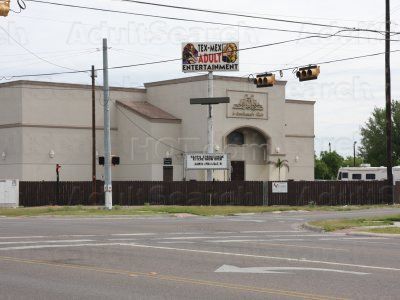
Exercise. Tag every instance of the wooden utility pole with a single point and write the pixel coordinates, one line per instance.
(94, 189)
(388, 105)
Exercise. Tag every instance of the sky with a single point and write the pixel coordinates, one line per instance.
(44, 36)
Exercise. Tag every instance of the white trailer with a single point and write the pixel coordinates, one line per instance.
(366, 173)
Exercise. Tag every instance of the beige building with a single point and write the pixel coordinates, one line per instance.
(43, 124)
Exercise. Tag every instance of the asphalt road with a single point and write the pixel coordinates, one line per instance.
(264, 256)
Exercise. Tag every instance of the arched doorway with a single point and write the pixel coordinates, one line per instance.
(248, 149)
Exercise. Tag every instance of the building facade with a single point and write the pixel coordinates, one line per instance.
(43, 124)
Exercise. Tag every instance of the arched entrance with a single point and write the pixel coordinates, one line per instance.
(248, 148)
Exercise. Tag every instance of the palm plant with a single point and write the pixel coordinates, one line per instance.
(279, 164)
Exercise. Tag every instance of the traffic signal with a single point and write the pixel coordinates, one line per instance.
(115, 160)
(265, 80)
(308, 73)
(4, 8)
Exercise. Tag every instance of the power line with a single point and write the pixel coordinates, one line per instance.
(179, 59)
(156, 62)
(144, 130)
(335, 61)
(207, 22)
(250, 16)
(32, 53)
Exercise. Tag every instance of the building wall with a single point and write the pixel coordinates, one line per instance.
(10, 133)
(58, 117)
(39, 117)
(299, 125)
(144, 145)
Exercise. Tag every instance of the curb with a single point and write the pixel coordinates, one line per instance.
(312, 228)
(371, 234)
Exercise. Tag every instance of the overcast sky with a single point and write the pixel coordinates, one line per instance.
(346, 92)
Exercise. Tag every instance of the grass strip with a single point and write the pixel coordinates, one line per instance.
(152, 210)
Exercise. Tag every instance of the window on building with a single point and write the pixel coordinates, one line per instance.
(356, 176)
(236, 138)
(345, 175)
(370, 177)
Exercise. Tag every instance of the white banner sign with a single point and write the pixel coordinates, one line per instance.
(279, 187)
(202, 161)
(206, 57)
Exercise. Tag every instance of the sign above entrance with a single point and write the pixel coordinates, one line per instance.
(250, 105)
(203, 161)
(210, 57)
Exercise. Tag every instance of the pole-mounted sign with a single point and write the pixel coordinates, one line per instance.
(210, 57)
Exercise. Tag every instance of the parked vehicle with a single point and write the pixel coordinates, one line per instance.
(366, 172)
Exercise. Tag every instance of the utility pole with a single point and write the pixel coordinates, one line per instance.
(388, 106)
(354, 154)
(107, 139)
(94, 189)
(210, 127)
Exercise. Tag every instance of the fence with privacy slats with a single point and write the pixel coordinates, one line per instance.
(250, 193)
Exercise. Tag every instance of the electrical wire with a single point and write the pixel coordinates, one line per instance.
(207, 22)
(251, 16)
(33, 53)
(293, 68)
(166, 60)
(21, 5)
(144, 130)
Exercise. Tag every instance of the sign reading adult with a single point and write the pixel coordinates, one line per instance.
(202, 161)
(210, 57)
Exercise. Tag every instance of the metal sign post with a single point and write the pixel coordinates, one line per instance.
(210, 128)
(107, 138)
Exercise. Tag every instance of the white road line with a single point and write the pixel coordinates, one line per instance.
(352, 238)
(122, 239)
(279, 270)
(206, 237)
(24, 237)
(51, 242)
(177, 242)
(266, 231)
(302, 260)
(132, 234)
(59, 246)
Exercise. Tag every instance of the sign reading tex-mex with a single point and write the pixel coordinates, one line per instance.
(207, 57)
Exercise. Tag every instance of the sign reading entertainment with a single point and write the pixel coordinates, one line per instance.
(200, 161)
(210, 57)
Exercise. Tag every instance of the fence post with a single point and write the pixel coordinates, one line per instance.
(265, 193)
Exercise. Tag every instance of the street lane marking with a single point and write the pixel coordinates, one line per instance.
(270, 231)
(298, 246)
(300, 260)
(132, 234)
(279, 270)
(59, 246)
(38, 242)
(154, 275)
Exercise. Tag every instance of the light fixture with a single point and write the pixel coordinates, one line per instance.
(3, 155)
(167, 154)
(277, 150)
(217, 148)
(52, 154)
(297, 158)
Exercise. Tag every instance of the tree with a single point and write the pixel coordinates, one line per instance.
(279, 164)
(321, 170)
(373, 137)
(333, 162)
(349, 161)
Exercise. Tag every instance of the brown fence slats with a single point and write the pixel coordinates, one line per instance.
(129, 193)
